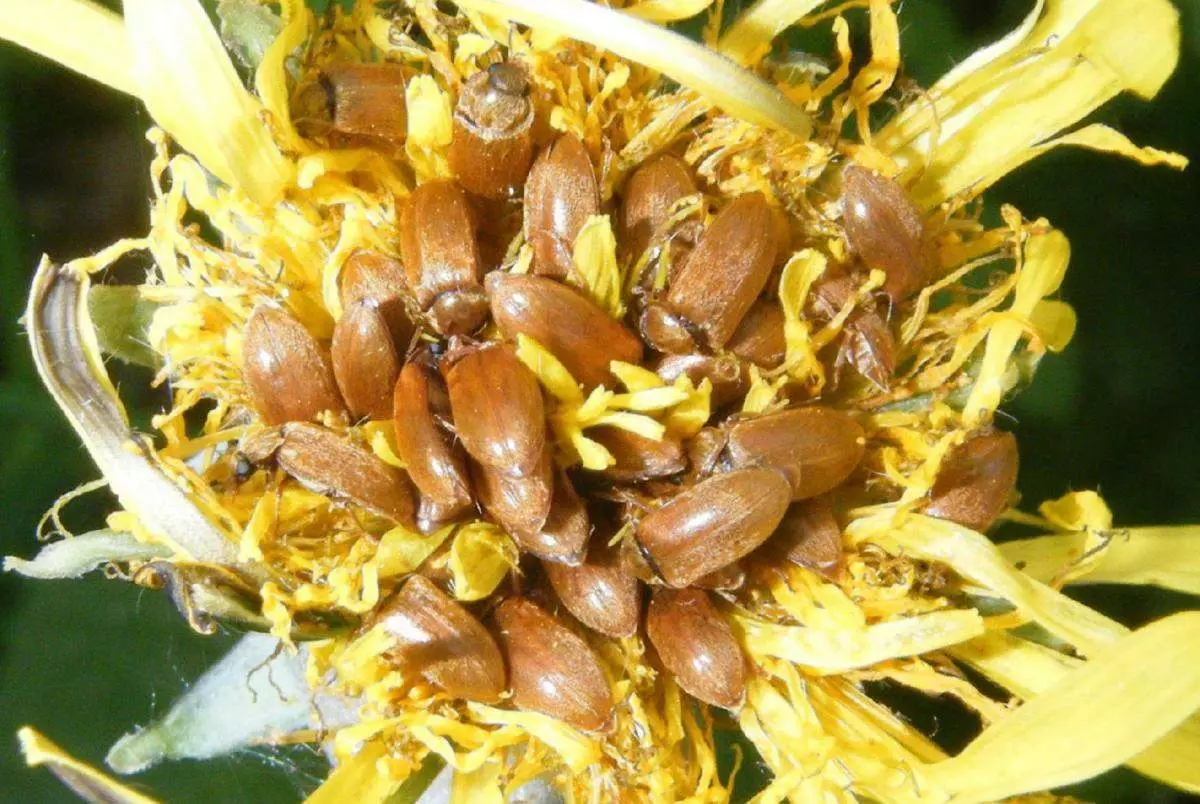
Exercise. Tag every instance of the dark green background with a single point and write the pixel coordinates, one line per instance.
(86, 661)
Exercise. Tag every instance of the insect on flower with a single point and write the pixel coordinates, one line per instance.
(565, 380)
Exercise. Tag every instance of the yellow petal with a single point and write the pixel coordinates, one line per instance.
(1165, 556)
(749, 38)
(402, 550)
(595, 258)
(480, 557)
(993, 114)
(551, 373)
(1043, 265)
(724, 84)
(635, 378)
(1055, 323)
(977, 559)
(85, 781)
(1099, 137)
(78, 34)
(1029, 669)
(667, 10)
(480, 786)
(430, 127)
(1103, 713)
(188, 83)
(357, 778)
(834, 651)
(575, 748)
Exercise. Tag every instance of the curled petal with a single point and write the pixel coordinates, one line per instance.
(67, 357)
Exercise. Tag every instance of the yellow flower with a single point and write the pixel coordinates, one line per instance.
(286, 550)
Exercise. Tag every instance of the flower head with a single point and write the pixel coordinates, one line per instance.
(554, 389)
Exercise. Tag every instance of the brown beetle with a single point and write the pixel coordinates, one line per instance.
(726, 579)
(436, 462)
(697, 646)
(377, 278)
(560, 195)
(714, 523)
(521, 505)
(570, 325)
(600, 594)
(441, 257)
(667, 331)
(367, 100)
(438, 638)
(883, 226)
(759, 339)
(809, 536)
(493, 131)
(564, 537)
(365, 362)
(816, 447)
(329, 464)
(497, 406)
(551, 670)
(647, 200)
(287, 374)
(722, 277)
(729, 382)
(976, 481)
(706, 452)
(637, 457)
(866, 342)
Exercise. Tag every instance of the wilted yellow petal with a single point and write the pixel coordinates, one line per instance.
(402, 550)
(430, 127)
(667, 10)
(1165, 556)
(480, 786)
(358, 779)
(976, 558)
(1043, 265)
(576, 750)
(1095, 717)
(1055, 323)
(797, 278)
(724, 84)
(877, 75)
(750, 36)
(78, 34)
(551, 373)
(994, 114)
(1099, 137)
(189, 85)
(635, 378)
(836, 651)
(481, 555)
(84, 780)
(595, 258)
